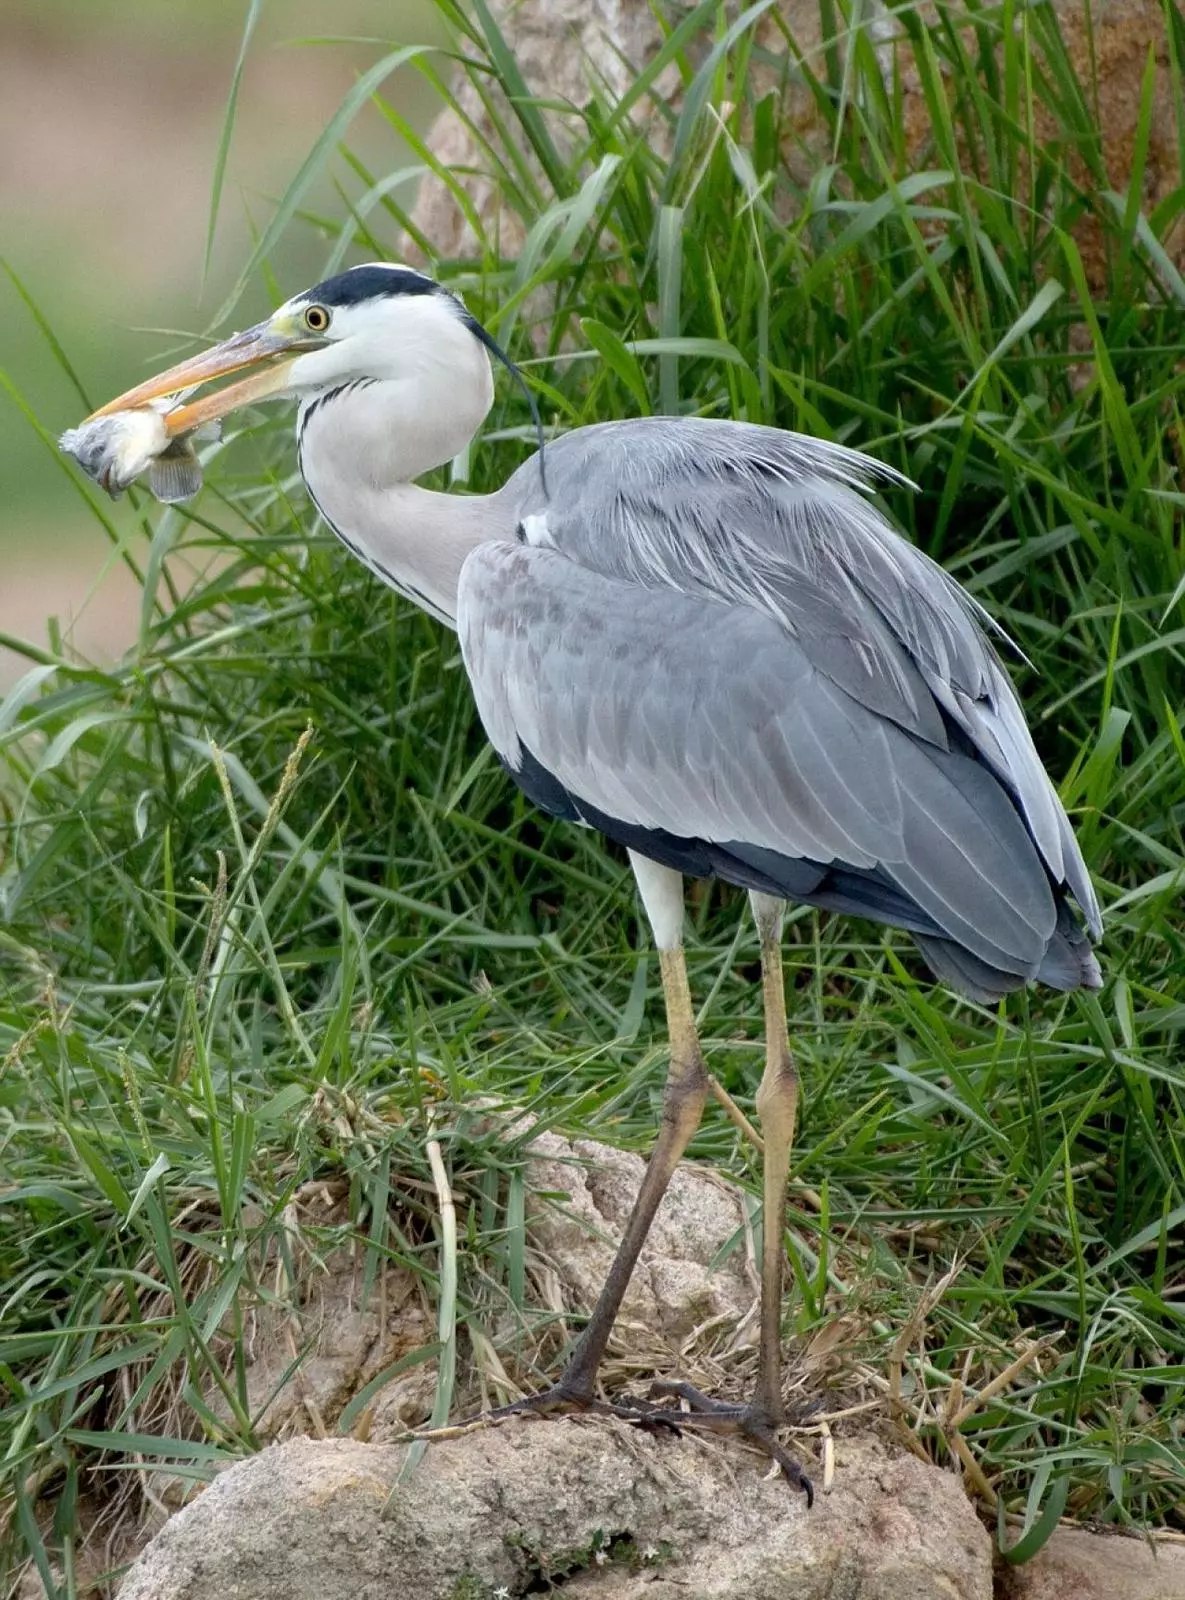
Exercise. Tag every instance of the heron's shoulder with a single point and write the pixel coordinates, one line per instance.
(640, 452)
(716, 506)
(763, 519)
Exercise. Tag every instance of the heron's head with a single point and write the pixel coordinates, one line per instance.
(378, 323)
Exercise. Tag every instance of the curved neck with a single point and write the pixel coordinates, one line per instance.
(416, 540)
(359, 448)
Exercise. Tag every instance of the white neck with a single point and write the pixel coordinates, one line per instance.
(414, 539)
(359, 449)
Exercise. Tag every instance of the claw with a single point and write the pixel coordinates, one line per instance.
(723, 1416)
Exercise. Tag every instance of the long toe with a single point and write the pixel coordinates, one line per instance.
(722, 1416)
(559, 1401)
(700, 1403)
(703, 1412)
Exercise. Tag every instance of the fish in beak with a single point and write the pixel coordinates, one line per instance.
(122, 446)
(150, 429)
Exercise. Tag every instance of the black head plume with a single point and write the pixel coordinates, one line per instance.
(496, 349)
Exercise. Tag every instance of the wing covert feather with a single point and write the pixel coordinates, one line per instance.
(710, 721)
(777, 523)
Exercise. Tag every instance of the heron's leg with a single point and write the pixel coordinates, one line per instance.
(777, 1110)
(683, 1100)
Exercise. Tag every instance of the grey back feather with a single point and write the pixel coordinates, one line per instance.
(715, 632)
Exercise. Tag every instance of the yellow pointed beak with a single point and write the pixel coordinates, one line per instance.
(264, 347)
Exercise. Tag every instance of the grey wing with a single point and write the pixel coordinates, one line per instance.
(690, 718)
(775, 523)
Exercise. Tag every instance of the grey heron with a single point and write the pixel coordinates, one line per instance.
(704, 639)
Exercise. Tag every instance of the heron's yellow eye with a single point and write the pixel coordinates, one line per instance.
(316, 319)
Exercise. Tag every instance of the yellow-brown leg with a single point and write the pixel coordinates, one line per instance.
(777, 1111)
(683, 1100)
(684, 1095)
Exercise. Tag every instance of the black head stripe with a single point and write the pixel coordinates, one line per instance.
(377, 280)
(369, 283)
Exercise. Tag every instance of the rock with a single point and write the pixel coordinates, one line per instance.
(691, 1295)
(559, 43)
(314, 1344)
(553, 42)
(686, 1275)
(609, 1511)
(1077, 1565)
(1108, 46)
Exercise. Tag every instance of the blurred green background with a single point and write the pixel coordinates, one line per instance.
(111, 112)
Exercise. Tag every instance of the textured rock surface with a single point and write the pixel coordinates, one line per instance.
(1076, 1565)
(688, 1279)
(342, 1331)
(558, 44)
(685, 1276)
(504, 1510)
(1108, 43)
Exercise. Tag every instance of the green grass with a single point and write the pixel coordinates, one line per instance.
(231, 968)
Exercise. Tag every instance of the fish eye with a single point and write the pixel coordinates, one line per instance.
(316, 319)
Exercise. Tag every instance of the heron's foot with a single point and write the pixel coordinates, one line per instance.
(751, 1421)
(561, 1400)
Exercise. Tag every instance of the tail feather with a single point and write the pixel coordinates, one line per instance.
(1068, 963)
(966, 973)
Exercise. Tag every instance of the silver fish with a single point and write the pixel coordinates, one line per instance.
(115, 450)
